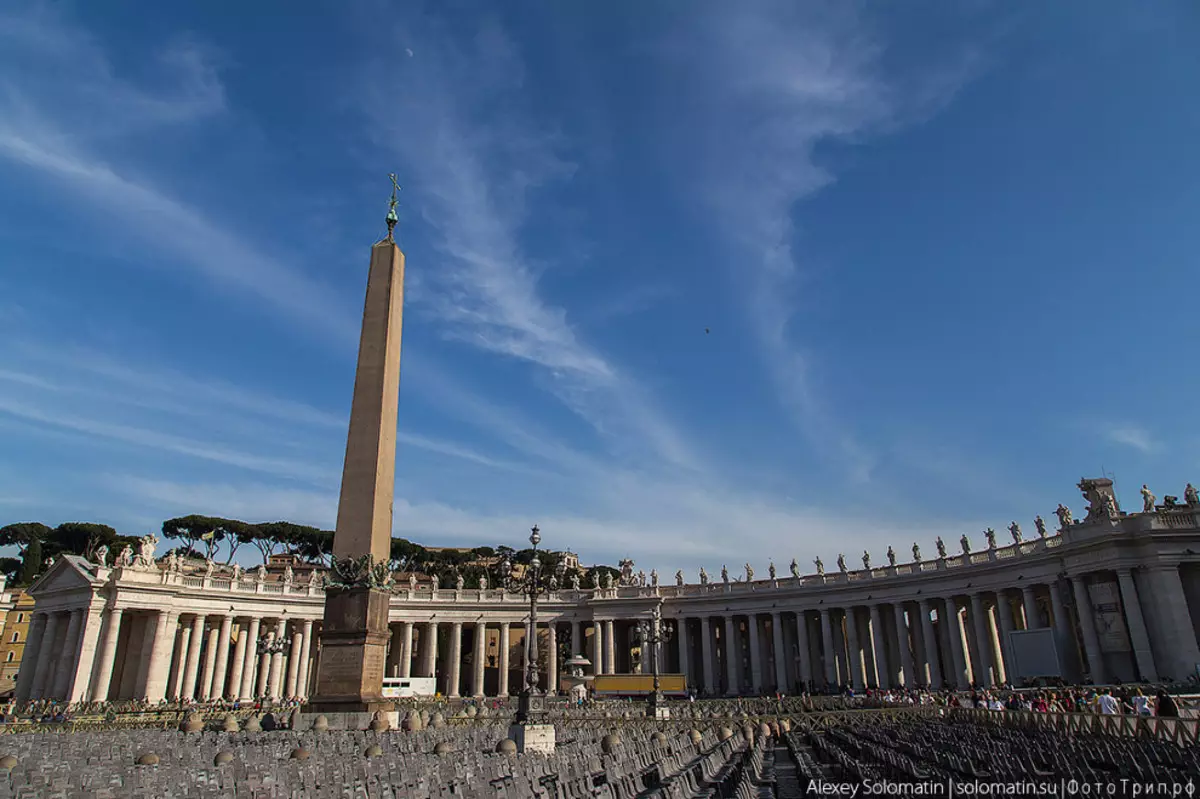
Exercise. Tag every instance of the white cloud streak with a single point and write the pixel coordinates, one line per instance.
(59, 76)
(476, 160)
(778, 79)
(1132, 436)
(96, 379)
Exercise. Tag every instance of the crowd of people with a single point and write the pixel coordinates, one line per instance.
(53, 710)
(1117, 700)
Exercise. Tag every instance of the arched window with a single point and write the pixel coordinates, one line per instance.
(20, 618)
(10, 656)
(16, 635)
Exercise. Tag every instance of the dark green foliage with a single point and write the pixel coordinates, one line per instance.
(203, 536)
(31, 562)
(10, 568)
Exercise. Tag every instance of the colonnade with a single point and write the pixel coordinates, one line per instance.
(953, 640)
(96, 655)
(938, 631)
(475, 658)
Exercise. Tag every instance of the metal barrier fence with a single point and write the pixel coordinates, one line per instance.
(1184, 732)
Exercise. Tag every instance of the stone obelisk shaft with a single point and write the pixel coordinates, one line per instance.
(364, 520)
(354, 634)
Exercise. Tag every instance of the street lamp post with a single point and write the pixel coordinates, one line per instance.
(652, 633)
(531, 702)
(270, 645)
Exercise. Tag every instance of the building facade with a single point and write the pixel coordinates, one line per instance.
(1118, 592)
(15, 630)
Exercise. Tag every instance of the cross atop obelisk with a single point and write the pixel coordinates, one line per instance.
(392, 219)
(354, 635)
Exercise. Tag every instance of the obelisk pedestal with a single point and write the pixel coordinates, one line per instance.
(354, 635)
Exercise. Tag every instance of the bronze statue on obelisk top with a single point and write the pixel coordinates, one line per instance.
(354, 635)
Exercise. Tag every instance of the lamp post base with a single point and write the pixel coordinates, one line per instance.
(533, 737)
(656, 707)
(531, 708)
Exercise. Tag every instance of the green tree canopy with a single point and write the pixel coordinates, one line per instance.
(311, 544)
(407, 556)
(22, 534)
(78, 538)
(31, 562)
(193, 530)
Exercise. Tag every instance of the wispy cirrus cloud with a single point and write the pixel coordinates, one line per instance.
(1131, 435)
(455, 116)
(57, 75)
(764, 85)
(70, 389)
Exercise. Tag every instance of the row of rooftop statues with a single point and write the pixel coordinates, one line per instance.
(1102, 504)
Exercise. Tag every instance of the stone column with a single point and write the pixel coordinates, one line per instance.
(1178, 653)
(756, 665)
(406, 641)
(45, 657)
(684, 644)
(183, 637)
(956, 633)
(393, 651)
(102, 676)
(552, 658)
(502, 657)
(994, 646)
(1032, 622)
(161, 651)
(1063, 633)
(293, 664)
(454, 678)
(89, 639)
(979, 643)
(1137, 626)
(262, 684)
(576, 638)
(856, 654)
(210, 661)
(1004, 612)
(192, 669)
(302, 681)
(804, 667)
(840, 649)
(145, 647)
(66, 660)
(904, 646)
(431, 650)
(1087, 620)
(883, 677)
(731, 657)
(827, 646)
(33, 646)
(275, 676)
(781, 680)
(480, 658)
(246, 690)
(597, 656)
(610, 647)
(238, 665)
(931, 647)
(706, 651)
(222, 665)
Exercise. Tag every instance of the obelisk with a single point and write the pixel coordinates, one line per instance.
(354, 635)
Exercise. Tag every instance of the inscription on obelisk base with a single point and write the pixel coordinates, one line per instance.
(354, 633)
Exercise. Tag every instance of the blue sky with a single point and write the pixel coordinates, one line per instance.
(944, 252)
